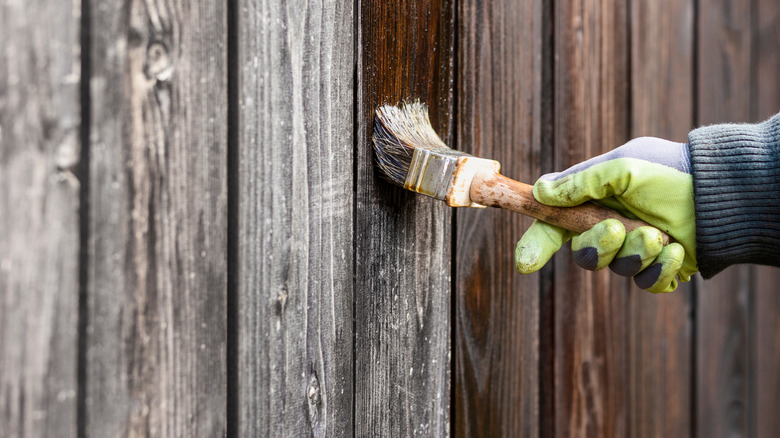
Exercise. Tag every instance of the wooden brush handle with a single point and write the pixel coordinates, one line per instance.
(495, 190)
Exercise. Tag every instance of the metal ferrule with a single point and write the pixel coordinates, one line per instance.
(431, 171)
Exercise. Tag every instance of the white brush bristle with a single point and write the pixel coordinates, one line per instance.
(397, 132)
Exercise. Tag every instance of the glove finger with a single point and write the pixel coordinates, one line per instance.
(640, 248)
(661, 275)
(595, 248)
(538, 245)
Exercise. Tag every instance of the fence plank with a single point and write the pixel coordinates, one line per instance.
(497, 310)
(724, 305)
(767, 351)
(766, 102)
(39, 226)
(402, 279)
(589, 350)
(660, 342)
(295, 218)
(157, 249)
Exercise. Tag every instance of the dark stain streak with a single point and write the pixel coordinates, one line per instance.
(490, 183)
(22, 407)
(281, 303)
(132, 348)
(592, 416)
(135, 38)
(49, 128)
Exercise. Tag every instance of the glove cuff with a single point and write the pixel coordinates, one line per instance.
(736, 186)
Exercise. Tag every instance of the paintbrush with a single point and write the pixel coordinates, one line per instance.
(411, 155)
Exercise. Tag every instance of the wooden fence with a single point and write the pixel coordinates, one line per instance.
(194, 242)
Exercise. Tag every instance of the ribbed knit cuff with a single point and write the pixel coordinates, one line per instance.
(736, 186)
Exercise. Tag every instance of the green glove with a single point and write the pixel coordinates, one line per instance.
(648, 179)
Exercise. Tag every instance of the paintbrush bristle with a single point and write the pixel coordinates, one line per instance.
(397, 132)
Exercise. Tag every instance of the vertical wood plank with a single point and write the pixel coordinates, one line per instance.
(766, 102)
(723, 358)
(39, 224)
(660, 326)
(157, 246)
(766, 42)
(497, 309)
(767, 353)
(295, 74)
(402, 278)
(589, 309)
(724, 305)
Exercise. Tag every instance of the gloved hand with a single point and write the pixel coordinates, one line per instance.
(647, 178)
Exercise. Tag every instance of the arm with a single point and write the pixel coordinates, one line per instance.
(718, 197)
(736, 184)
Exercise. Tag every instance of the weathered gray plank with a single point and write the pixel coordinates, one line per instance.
(589, 351)
(295, 211)
(402, 278)
(157, 244)
(661, 326)
(39, 228)
(499, 90)
(724, 304)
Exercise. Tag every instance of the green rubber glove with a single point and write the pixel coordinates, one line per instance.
(647, 178)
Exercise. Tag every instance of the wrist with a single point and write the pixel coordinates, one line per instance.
(736, 181)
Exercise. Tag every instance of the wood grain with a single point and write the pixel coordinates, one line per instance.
(725, 305)
(295, 226)
(589, 351)
(39, 226)
(767, 351)
(402, 276)
(724, 373)
(765, 103)
(661, 326)
(496, 390)
(157, 245)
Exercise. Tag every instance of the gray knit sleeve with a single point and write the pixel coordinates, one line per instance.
(736, 186)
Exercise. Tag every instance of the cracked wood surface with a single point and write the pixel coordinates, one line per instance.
(39, 223)
(295, 207)
(402, 278)
(156, 337)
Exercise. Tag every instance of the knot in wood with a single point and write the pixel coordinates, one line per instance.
(158, 62)
(281, 302)
(66, 155)
(313, 391)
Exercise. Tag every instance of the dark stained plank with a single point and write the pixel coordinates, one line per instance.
(589, 351)
(402, 276)
(724, 304)
(39, 226)
(723, 360)
(766, 102)
(767, 351)
(496, 369)
(766, 42)
(158, 222)
(295, 226)
(661, 326)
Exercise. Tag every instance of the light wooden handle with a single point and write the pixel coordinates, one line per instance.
(495, 190)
